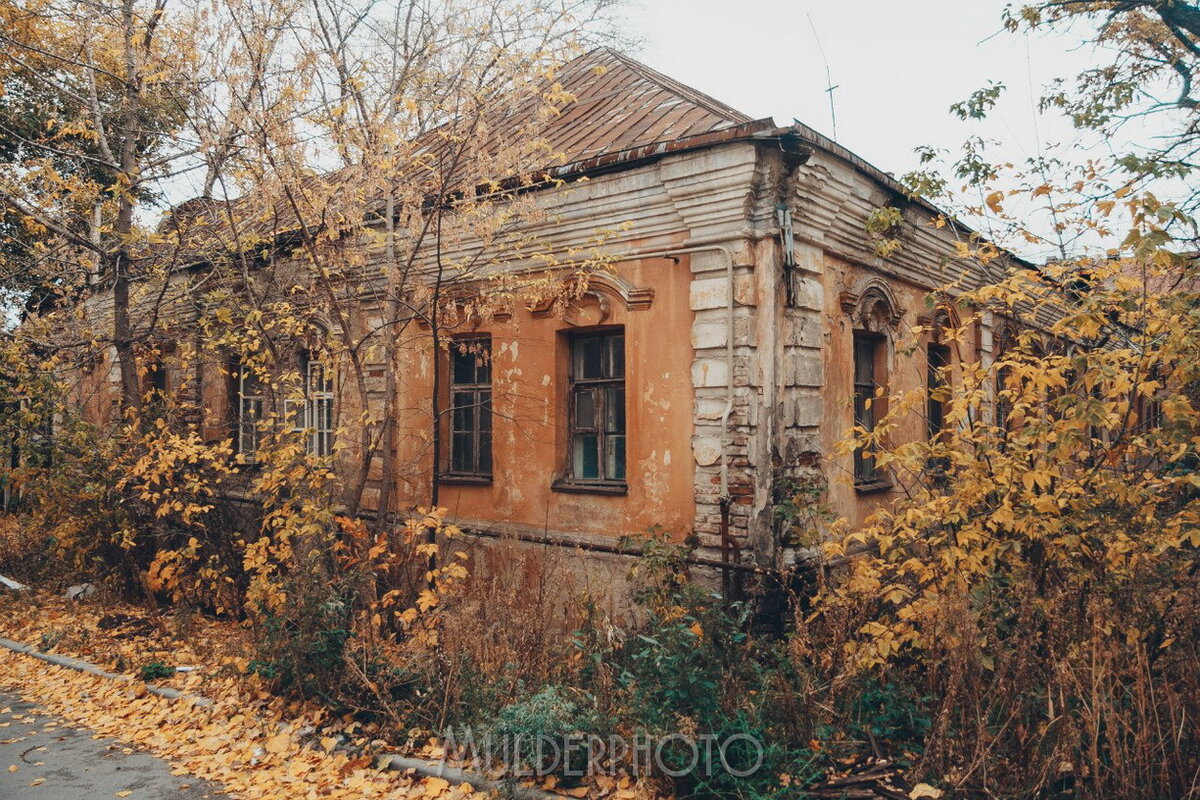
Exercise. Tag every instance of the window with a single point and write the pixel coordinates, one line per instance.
(318, 406)
(158, 377)
(249, 411)
(1005, 344)
(157, 387)
(867, 351)
(470, 446)
(312, 416)
(938, 357)
(596, 415)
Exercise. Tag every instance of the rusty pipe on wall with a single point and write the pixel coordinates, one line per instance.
(550, 540)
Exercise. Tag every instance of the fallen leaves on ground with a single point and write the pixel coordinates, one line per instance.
(249, 741)
(121, 637)
(254, 743)
(235, 743)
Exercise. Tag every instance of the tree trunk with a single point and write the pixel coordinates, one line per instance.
(121, 261)
(391, 327)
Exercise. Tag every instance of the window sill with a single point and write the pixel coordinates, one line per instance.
(576, 487)
(870, 487)
(465, 480)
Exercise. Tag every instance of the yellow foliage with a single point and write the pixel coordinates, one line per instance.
(1071, 461)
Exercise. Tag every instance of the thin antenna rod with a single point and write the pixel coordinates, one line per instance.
(828, 76)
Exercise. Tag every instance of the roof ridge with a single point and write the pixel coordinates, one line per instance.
(669, 84)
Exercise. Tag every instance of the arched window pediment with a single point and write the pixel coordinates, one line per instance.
(872, 307)
(595, 303)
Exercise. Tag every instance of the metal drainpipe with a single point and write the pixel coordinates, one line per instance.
(729, 303)
(724, 501)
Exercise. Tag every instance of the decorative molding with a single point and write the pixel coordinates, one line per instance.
(635, 298)
(590, 308)
(458, 318)
(872, 305)
(602, 289)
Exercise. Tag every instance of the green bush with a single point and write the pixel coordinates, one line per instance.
(302, 646)
(694, 667)
(543, 729)
(155, 670)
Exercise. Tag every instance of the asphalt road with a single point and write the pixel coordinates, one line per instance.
(66, 763)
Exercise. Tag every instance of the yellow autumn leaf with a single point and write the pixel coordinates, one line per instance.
(435, 786)
(278, 743)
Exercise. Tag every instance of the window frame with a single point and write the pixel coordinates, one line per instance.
(480, 394)
(245, 431)
(936, 382)
(303, 416)
(604, 427)
(867, 406)
(318, 396)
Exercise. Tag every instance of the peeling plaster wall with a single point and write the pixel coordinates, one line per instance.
(831, 201)
(790, 379)
(906, 372)
(529, 440)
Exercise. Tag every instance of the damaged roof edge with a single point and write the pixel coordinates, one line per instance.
(624, 159)
(758, 130)
(801, 137)
(820, 141)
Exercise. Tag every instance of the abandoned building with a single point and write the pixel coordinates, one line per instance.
(743, 321)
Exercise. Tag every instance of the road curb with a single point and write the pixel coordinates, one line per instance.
(398, 763)
(91, 669)
(458, 776)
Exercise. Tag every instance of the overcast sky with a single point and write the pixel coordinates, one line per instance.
(898, 65)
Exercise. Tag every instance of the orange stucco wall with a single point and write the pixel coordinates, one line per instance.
(906, 373)
(529, 384)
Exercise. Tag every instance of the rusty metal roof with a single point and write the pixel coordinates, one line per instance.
(621, 104)
(622, 112)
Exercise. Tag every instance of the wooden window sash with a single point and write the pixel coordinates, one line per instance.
(609, 427)
(477, 394)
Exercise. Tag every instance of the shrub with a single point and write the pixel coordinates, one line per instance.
(155, 670)
(23, 549)
(693, 666)
(1032, 601)
(548, 732)
(302, 643)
